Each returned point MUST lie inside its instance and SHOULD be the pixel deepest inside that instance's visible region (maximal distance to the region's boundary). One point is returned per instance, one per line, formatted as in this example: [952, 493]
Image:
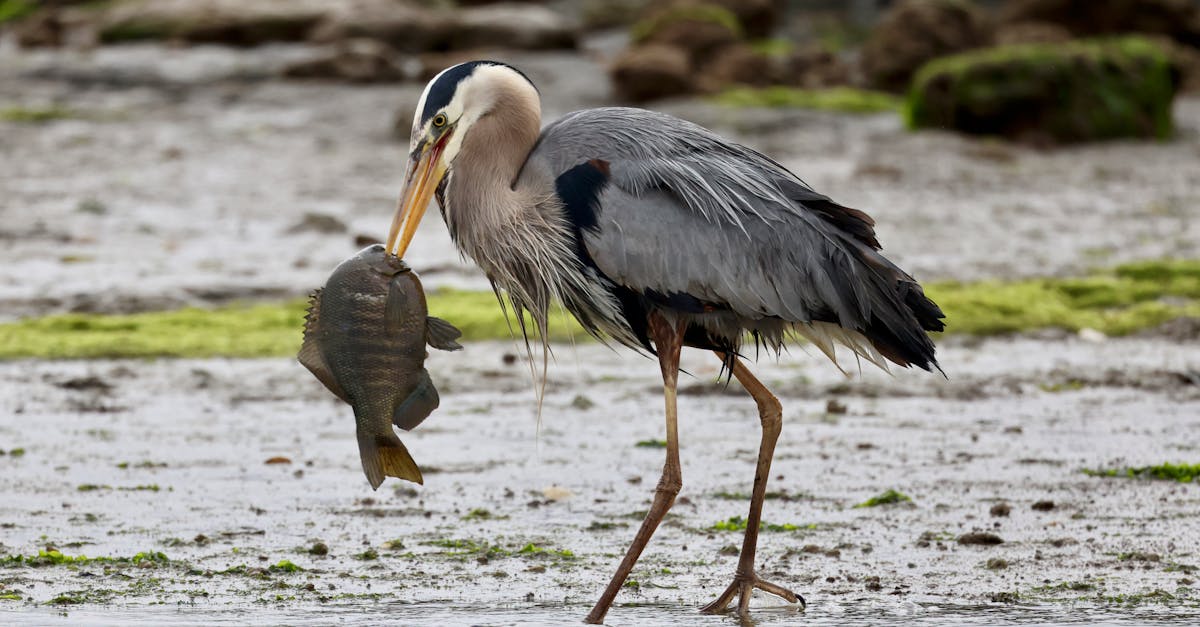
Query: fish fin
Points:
[393, 312]
[385, 455]
[419, 404]
[310, 353]
[441, 334]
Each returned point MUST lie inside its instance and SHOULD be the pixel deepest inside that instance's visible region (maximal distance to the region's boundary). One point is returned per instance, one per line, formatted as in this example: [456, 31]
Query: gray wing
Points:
[683, 212]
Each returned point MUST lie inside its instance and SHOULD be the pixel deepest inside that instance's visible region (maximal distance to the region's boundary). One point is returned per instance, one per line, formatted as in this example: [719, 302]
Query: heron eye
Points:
[439, 120]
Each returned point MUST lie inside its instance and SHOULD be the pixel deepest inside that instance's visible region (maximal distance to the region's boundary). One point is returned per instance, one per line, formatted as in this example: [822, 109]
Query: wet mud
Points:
[231, 490]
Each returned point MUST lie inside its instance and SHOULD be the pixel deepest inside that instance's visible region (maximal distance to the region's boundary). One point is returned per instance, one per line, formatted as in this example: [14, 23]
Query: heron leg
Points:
[770, 414]
[668, 340]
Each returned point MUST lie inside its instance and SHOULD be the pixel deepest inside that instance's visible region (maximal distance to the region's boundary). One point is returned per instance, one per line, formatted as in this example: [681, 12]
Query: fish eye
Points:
[439, 120]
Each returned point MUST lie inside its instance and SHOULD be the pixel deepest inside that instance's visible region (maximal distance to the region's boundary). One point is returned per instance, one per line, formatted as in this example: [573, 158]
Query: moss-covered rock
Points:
[1080, 91]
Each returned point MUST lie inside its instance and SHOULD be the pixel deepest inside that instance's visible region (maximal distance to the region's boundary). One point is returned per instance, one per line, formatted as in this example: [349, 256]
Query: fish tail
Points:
[385, 455]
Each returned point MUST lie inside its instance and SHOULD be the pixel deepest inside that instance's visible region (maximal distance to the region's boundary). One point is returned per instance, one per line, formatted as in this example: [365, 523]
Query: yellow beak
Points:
[425, 172]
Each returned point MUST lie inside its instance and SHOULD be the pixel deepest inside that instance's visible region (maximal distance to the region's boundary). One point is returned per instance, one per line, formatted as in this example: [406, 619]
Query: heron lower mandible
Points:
[657, 234]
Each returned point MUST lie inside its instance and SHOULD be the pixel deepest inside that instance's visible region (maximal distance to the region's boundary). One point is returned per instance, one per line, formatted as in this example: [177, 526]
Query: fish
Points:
[364, 338]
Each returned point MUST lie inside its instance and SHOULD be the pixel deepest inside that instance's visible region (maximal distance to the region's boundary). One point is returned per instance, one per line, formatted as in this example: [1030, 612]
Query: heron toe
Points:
[741, 587]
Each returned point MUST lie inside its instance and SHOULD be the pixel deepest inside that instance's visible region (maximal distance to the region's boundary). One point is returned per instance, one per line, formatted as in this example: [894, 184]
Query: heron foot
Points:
[741, 587]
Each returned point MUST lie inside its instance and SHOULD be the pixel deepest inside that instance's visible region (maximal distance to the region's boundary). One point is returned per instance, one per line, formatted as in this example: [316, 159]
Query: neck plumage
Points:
[505, 215]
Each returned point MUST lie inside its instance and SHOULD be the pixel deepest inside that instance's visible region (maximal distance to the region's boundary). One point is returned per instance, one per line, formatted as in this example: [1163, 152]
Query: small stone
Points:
[652, 71]
[1000, 509]
[318, 222]
[834, 406]
[980, 538]
[997, 563]
[1043, 506]
[318, 548]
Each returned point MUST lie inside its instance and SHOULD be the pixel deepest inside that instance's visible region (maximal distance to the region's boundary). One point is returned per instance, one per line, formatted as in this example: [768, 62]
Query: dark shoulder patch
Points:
[442, 91]
[579, 190]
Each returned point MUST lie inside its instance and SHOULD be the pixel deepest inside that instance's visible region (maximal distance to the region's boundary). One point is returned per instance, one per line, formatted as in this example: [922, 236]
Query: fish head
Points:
[383, 262]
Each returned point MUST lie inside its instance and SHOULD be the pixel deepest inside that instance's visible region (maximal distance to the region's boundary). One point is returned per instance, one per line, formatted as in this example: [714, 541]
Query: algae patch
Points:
[891, 497]
[840, 99]
[1118, 301]
[35, 115]
[1183, 473]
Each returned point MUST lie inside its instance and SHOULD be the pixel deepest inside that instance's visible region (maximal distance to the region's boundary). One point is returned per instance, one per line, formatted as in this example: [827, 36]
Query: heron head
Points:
[451, 104]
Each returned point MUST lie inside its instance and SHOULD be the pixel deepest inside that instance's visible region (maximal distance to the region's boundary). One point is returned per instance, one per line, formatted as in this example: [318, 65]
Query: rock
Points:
[600, 14]
[355, 60]
[403, 26]
[701, 30]
[1043, 506]
[815, 68]
[1030, 33]
[42, 29]
[1000, 509]
[318, 223]
[1177, 19]
[1049, 93]
[528, 27]
[914, 32]
[755, 18]
[211, 21]
[980, 538]
[652, 71]
[738, 64]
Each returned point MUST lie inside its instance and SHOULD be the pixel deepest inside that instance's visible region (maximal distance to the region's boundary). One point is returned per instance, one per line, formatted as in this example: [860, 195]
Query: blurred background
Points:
[160, 153]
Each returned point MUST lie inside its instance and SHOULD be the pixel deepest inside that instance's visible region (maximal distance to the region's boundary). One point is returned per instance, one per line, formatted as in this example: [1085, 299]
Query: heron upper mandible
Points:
[658, 234]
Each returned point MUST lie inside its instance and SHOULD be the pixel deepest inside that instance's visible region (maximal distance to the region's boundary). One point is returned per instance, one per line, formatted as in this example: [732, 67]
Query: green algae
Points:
[651, 444]
[285, 566]
[891, 497]
[1126, 299]
[11, 10]
[53, 557]
[1183, 473]
[839, 99]
[1118, 301]
[35, 115]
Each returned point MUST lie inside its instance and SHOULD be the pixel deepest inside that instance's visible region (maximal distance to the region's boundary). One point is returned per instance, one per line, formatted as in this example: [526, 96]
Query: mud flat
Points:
[209, 491]
[189, 176]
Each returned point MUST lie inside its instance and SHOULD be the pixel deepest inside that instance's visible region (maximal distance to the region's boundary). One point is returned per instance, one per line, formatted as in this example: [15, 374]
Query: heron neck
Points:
[489, 189]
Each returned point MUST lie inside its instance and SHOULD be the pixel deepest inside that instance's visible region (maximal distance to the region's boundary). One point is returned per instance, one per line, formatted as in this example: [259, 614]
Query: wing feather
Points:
[684, 211]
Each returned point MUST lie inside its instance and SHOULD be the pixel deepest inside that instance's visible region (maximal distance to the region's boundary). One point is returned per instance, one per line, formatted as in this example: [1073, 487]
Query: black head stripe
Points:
[442, 92]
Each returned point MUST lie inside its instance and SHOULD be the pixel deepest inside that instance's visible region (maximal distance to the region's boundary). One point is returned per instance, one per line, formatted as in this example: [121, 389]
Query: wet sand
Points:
[171, 456]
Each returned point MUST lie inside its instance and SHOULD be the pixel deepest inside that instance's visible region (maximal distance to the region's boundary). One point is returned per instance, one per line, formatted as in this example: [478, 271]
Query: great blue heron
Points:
[657, 234]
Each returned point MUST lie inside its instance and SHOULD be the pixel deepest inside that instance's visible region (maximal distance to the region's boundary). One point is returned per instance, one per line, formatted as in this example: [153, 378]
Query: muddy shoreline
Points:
[517, 523]
[204, 185]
